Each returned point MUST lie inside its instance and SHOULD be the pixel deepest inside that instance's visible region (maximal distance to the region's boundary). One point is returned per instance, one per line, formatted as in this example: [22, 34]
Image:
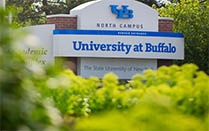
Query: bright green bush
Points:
[177, 93]
[153, 112]
[185, 85]
[171, 98]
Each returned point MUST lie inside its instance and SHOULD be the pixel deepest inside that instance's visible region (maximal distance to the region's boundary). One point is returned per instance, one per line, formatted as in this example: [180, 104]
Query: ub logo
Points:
[123, 13]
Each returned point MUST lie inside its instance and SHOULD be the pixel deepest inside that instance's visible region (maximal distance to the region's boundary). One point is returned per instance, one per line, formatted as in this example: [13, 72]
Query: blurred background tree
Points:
[33, 12]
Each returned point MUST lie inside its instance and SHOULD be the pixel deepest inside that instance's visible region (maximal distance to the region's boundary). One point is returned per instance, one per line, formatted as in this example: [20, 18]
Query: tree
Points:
[149, 2]
[33, 12]
[191, 18]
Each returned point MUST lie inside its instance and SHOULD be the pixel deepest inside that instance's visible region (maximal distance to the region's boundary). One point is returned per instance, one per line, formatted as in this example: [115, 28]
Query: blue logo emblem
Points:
[123, 13]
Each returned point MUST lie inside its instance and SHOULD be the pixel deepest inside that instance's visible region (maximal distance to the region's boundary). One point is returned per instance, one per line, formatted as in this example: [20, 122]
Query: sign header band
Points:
[115, 32]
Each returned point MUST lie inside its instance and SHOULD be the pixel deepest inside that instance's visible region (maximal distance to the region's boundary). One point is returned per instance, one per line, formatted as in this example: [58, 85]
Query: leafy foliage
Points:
[179, 94]
[154, 112]
[184, 85]
[22, 106]
[191, 18]
[34, 12]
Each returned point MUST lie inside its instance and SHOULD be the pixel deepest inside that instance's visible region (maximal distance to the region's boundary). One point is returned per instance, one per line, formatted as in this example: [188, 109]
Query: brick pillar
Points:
[62, 21]
[165, 25]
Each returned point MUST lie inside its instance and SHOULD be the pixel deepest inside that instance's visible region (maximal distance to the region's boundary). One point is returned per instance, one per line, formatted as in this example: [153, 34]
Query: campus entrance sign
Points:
[119, 36]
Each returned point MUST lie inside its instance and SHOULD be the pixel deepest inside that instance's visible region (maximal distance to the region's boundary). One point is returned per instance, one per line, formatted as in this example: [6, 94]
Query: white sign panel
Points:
[38, 42]
[118, 44]
[123, 68]
[116, 15]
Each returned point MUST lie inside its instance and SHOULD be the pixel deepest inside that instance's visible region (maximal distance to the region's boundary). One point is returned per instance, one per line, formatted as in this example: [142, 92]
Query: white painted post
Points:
[10, 17]
[2, 4]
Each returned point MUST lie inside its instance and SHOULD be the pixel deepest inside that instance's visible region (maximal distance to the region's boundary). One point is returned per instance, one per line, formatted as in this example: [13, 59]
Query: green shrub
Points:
[177, 93]
[21, 105]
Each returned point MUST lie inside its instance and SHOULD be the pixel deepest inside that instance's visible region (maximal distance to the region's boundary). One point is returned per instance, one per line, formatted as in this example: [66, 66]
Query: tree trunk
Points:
[45, 9]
